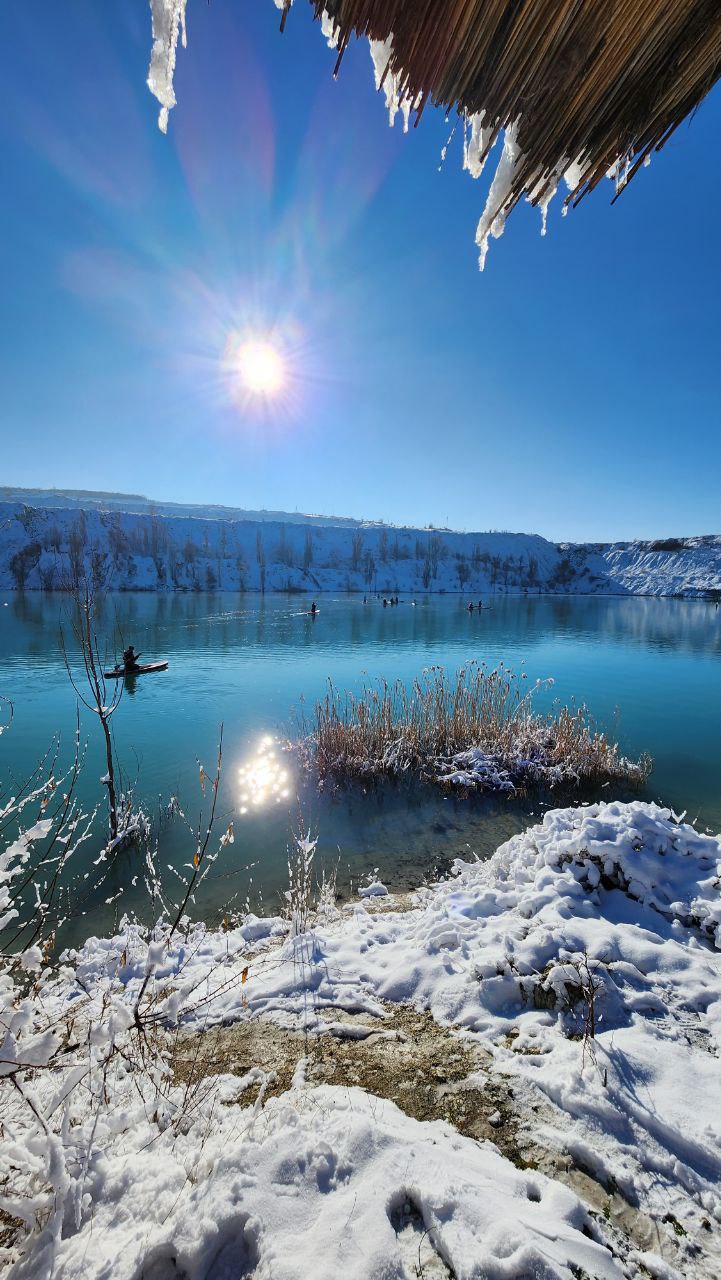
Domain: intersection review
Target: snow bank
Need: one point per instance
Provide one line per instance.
(314, 1185)
(585, 956)
(622, 893)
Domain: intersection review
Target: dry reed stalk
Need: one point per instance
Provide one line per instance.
(590, 80)
(424, 729)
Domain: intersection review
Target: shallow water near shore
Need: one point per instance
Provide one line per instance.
(648, 669)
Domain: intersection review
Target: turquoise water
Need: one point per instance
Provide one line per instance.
(648, 669)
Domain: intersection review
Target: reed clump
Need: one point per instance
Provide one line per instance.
(477, 729)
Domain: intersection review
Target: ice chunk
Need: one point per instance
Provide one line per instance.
(396, 99)
(477, 142)
(374, 890)
(493, 219)
(168, 24)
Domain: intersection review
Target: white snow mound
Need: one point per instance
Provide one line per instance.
(317, 1185)
(610, 909)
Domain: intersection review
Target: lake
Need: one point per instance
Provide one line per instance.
(648, 669)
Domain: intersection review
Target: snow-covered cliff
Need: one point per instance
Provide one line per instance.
(43, 547)
(667, 567)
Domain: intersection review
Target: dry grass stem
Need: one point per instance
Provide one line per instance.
(476, 730)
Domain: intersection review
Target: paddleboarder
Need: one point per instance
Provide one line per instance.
(130, 660)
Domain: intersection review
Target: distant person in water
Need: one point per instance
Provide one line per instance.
(130, 659)
(470, 607)
(314, 608)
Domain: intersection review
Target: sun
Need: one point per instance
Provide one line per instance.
(261, 367)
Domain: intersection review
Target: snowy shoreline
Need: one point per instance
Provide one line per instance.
(602, 915)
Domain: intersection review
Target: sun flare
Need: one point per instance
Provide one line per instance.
(263, 778)
(261, 367)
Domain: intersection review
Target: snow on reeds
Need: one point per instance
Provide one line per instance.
(475, 730)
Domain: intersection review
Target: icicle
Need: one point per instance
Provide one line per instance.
(477, 145)
(329, 29)
(381, 53)
(573, 174)
(451, 136)
(493, 219)
(544, 203)
(619, 171)
(544, 191)
(168, 23)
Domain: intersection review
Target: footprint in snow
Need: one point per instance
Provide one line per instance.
(419, 1255)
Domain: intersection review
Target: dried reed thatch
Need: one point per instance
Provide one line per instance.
(582, 88)
(582, 83)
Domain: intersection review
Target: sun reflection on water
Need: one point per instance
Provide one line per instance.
(263, 779)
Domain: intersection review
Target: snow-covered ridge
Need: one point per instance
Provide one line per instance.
(138, 504)
(667, 566)
(202, 549)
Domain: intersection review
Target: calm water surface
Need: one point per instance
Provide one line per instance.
(648, 669)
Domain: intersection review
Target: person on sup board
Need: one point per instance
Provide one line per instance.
(130, 660)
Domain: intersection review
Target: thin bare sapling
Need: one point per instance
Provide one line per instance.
(95, 695)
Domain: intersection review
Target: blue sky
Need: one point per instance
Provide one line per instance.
(571, 390)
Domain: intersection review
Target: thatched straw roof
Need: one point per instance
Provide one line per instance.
(589, 82)
(582, 88)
